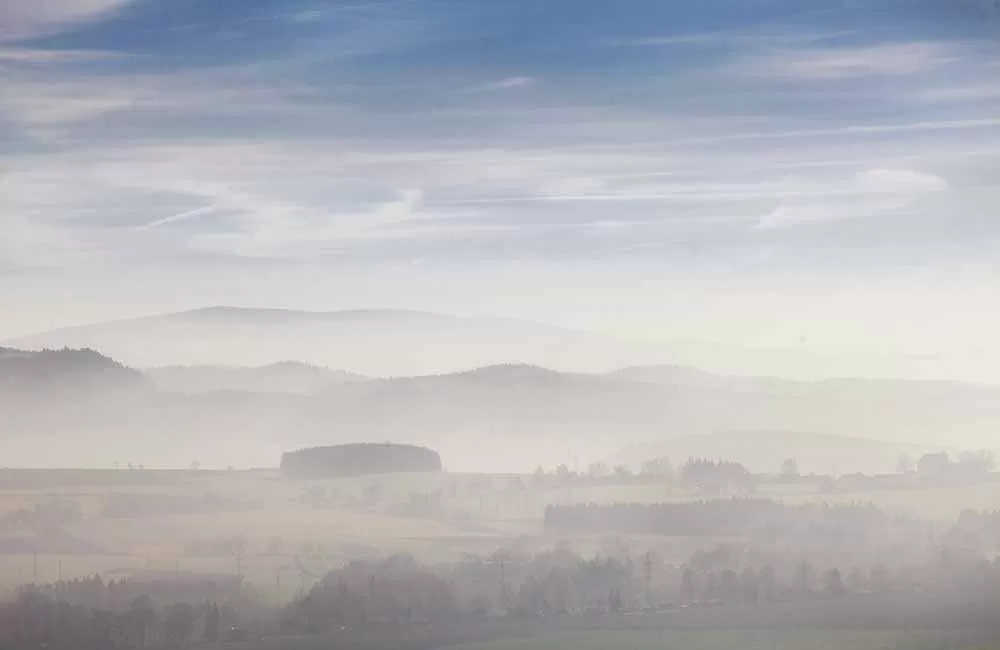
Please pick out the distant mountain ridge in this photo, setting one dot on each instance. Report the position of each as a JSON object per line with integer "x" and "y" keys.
{"x": 229, "y": 314}
{"x": 374, "y": 342}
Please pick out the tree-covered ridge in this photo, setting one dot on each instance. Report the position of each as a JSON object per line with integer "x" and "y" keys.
{"x": 23, "y": 371}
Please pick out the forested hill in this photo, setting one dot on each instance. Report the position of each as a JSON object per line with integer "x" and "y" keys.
{"x": 46, "y": 372}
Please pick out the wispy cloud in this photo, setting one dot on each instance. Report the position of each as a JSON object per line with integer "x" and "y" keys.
{"x": 185, "y": 215}
{"x": 840, "y": 63}
{"x": 874, "y": 192}
{"x": 36, "y": 105}
{"x": 897, "y": 181}
{"x": 401, "y": 209}
{"x": 46, "y": 106}
{"x": 508, "y": 83}
{"x": 761, "y": 36}
{"x": 808, "y": 214}
{"x": 851, "y": 129}
{"x": 969, "y": 92}
{"x": 21, "y": 20}
{"x": 39, "y": 55}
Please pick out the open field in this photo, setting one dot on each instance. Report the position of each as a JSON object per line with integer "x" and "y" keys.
{"x": 436, "y": 517}
{"x": 283, "y": 535}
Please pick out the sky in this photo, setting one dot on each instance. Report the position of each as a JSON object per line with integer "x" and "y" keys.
{"x": 777, "y": 175}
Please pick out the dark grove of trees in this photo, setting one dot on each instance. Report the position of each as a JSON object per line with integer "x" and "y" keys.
{"x": 162, "y": 592}
{"x": 130, "y": 614}
{"x": 34, "y": 620}
{"x": 358, "y": 460}
{"x": 719, "y": 476}
{"x": 397, "y": 590}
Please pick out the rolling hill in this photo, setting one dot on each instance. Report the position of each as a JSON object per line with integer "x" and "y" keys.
{"x": 282, "y": 377}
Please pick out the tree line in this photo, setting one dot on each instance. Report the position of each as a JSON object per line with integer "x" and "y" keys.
{"x": 37, "y": 620}
{"x": 703, "y": 473}
{"x": 397, "y": 591}
{"x": 716, "y": 518}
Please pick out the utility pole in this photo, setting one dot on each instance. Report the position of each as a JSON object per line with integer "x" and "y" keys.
{"x": 647, "y": 565}
{"x": 505, "y": 594}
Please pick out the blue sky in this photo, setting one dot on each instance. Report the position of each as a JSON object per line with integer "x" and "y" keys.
{"x": 766, "y": 173}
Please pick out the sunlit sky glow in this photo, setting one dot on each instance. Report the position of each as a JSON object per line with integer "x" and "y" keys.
{"x": 792, "y": 174}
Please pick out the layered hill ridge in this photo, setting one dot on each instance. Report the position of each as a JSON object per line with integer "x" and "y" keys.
{"x": 507, "y": 417}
